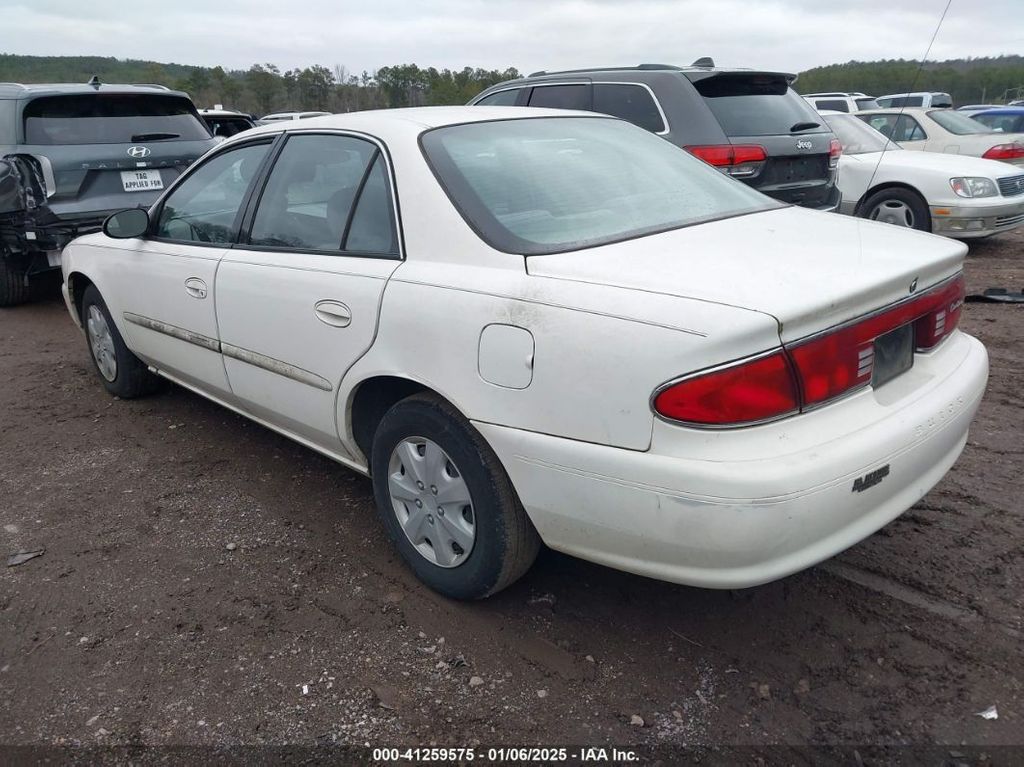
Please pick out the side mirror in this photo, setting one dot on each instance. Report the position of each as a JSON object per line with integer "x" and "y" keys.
{"x": 126, "y": 224}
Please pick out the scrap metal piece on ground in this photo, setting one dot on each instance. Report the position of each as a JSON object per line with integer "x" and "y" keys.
{"x": 24, "y": 556}
{"x": 996, "y": 296}
{"x": 989, "y": 713}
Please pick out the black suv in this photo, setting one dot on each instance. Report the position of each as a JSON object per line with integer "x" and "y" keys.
{"x": 751, "y": 125}
{"x": 72, "y": 154}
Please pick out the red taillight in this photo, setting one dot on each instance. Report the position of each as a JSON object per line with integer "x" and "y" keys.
{"x": 835, "y": 150}
{"x": 810, "y": 372}
{"x": 741, "y": 394}
{"x": 1012, "y": 151}
{"x": 739, "y": 160}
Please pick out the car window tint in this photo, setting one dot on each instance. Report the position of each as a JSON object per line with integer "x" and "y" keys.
{"x": 756, "y": 104}
{"x": 561, "y": 96}
{"x": 204, "y": 207}
{"x": 867, "y": 104}
{"x": 630, "y": 102}
{"x": 836, "y": 105}
{"x": 104, "y": 118}
{"x": 310, "y": 191}
{"x": 372, "y": 229}
{"x": 908, "y": 129}
{"x": 500, "y": 99}
{"x": 903, "y": 101}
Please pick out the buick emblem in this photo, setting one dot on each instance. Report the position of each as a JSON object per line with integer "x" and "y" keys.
{"x": 138, "y": 152}
{"x": 913, "y": 285}
{"x": 804, "y": 144}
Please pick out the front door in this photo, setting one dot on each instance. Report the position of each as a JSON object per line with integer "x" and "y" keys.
{"x": 165, "y": 281}
{"x": 298, "y": 297}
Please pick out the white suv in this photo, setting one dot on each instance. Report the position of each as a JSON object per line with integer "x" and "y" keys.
{"x": 840, "y": 102}
{"x": 916, "y": 99}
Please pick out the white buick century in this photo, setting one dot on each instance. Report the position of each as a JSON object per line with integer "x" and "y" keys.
{"x": 532, "y": 325}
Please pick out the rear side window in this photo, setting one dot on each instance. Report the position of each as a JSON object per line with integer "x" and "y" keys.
{"x": 630, "y": 102}
{"x": 101, "y": 118}
{"x": 500, "y": 99}
{"x": 755, "y": 104}
{"x": 941, "y": 100}
{"x": 836, "y": 105}
{"x": 561, "y": 96}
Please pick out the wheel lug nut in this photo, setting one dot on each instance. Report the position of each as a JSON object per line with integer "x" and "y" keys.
{"x": 430, "y": 519}
{"x": 440, "y": 512}
{"x": 433, "y": 489}
{"x": 419, "y": 504}
{"x": 419, "y": 485}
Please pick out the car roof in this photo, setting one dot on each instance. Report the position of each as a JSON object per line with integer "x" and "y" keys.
{"x": 640, "y": 68}
{"x": 905, "y": 110}
{"x": 1002, "y": 111}
{"x": 21, "y": 90}
{"x": 913, "y": 93}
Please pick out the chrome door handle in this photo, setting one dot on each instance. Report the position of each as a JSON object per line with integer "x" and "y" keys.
{"x": 195, "y": 287}
{"x": 333, "y": 313}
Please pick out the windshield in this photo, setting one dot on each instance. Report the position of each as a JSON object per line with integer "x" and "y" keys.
{"x": 958, "y": 123}
{"x": 551, "y": 185}
{"x": 102, "y": 118}
{"x": 857, "y": 137}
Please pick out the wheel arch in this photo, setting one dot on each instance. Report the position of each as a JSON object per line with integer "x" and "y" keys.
{"x": 882, "y": 187}
{"x": 370, "y": 399}
{"x": 77, "y": 284}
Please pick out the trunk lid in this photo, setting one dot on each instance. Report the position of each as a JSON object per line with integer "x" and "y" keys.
{"x": 808, "y": 270}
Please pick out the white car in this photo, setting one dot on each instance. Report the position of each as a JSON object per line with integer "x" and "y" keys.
{"x": 537, "y": 325}
{"x": 947, "y": 194}
{"x": 928, "y": 99}
{"x": 841, "y": 102}
{"x": 946, "y": 131}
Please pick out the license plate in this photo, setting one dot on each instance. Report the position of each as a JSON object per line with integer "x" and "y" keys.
{"x": 894, "y": 354}
{"x": 141, "y": 180}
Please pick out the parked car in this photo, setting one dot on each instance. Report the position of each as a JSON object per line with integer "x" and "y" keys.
{"x": 840, "y": 102}
{"x": 947, "y": 194}
{"x": 946, "y": 131}
{"x": 70, "y": 155}
{"x": 280, "y": 116}
{"x": 226, "y": 122}
{"x": 971, "y": 109}
{"x": 932, "y": 99}
{"x": 750, "y": 125}
{"x": 534, "y": 325}
{"x": 1002, "y": 119}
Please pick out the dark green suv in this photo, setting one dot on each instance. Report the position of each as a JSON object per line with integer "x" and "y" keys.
{"x": 72, "y": 154}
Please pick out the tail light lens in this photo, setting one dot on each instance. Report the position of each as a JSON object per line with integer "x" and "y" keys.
{"x": 835, "y": 151}
{"x": 749, "y": 392}
{"x": 1012, "y": 151}
{"x": 810, "y": 372}
{"x": 741, "y": 160}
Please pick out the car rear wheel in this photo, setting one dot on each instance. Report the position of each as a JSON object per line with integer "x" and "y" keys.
{"x": 447, "y": 502}
{"x": 14, "y": 288}
{"x": 901, "y": 207}
{"x": 122, "y": 373}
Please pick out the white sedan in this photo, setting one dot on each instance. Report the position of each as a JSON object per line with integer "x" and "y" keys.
{"x": 947, "y": 194}
{"x": 535, "y": 325}
{"x": 947, "y": 131}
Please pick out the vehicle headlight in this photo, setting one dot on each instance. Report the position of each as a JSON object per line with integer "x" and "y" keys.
{"x": 973, "y": 186}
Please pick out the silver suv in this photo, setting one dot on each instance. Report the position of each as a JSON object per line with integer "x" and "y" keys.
{"x": 72, "y": 154}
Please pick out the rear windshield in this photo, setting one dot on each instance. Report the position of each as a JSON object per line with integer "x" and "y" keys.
{"x": 551, "y": 185}
{"x": 103, "y": 118}
{"x": 756, "y": 105}
{"x": 958, "y": 123}
{"x": 858, "y": 137}
{"x": 867, "y": 104}
{"x": 901, "y": 101}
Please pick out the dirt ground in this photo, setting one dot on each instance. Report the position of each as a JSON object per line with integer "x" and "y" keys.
{"x": 139, "y": 626}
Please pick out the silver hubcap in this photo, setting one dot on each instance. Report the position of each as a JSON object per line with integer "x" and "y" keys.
{"x": 102, "y": 343}
{"x": 431, "y": 501}
{"x": 893, "y": 212}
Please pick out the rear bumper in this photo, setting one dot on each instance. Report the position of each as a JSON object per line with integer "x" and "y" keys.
{"x": 966, "y": 221}
{"x": 740, "y": 508}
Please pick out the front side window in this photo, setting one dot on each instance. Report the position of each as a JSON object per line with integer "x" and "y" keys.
{"x": 630, "y": 102}
{"x": 500, "y": 99}
{"x": 561, "y": 96}
{"x": 958, "y": 124}
{"x": 324, "y": 191}
{"x": 204, "y": 207}
{"x": 551, "y": 185}
{"x": 105, "y": 118}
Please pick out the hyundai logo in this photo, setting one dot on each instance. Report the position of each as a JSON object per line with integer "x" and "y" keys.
{"x": 138, "y": 152}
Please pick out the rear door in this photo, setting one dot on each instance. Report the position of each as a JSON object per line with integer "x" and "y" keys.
{"x": 298, "y": 298}
{"x": 109, "y": 151}
{"x": 761, "y": 109}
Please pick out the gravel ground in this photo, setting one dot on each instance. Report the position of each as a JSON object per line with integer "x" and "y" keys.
{"x": 141, "y": 625}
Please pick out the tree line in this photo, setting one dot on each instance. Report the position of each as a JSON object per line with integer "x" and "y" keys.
{"x": 266, "y": 88}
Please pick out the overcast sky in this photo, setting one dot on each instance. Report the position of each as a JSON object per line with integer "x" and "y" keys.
{"x": 527, "y": 34}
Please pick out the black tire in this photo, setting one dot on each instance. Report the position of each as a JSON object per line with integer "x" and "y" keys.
{"x": 132, "y": 378}
{"x": 14, "y": 288}
{"x": 903, "y": 202}
{"x": 505, "y": 543}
